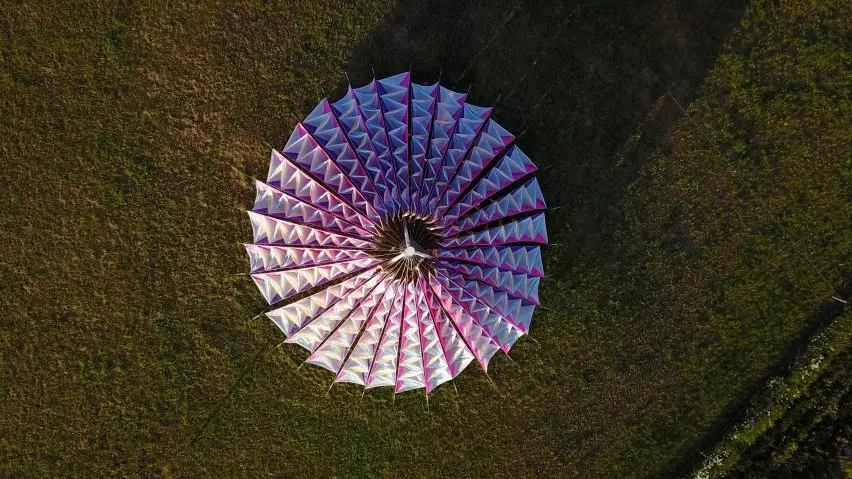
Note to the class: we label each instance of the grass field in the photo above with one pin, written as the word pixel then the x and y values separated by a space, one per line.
pixel 696 157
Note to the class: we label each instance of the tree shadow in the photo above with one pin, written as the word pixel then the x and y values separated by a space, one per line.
pixel 577 79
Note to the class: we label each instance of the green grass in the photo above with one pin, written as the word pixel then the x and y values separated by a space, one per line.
pixel 691 251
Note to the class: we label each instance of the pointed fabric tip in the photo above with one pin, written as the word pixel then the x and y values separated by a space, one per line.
pixel 323 108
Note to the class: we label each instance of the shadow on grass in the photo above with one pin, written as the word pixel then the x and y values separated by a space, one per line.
pixel 576 79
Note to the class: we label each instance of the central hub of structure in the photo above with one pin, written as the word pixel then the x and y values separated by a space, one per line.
pixel 406 243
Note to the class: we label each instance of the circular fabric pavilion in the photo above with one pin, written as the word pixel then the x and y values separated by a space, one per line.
pixel 398 234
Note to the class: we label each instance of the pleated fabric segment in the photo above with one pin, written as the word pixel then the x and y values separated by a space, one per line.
pixel 397 236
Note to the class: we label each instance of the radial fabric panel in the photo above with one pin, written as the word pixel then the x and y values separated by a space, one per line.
pixel 398 236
